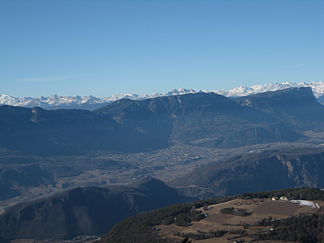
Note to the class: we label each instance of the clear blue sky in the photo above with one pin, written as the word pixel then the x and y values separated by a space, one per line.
pixel 104 47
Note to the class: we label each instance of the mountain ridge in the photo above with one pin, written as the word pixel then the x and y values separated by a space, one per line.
pixel 91 102
pixel 199 119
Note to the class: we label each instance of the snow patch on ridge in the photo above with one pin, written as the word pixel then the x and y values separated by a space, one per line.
pixel 305 203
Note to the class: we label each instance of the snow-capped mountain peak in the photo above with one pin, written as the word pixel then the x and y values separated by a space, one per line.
pixel 79 101
pixel 317 87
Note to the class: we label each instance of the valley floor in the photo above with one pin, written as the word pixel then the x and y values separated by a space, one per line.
pixel 96 169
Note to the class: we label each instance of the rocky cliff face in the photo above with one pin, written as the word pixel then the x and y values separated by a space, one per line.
pixel 257 172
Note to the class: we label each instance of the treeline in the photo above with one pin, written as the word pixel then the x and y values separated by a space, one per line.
pixel 141 228
pixel 200 235
pixel 185 218
pixel 236 211
pixel 301 228
pixel 303 193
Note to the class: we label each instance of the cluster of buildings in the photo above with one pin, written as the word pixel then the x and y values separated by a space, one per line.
pixel 283 198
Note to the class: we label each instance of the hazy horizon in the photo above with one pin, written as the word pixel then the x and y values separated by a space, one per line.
pixel 172 90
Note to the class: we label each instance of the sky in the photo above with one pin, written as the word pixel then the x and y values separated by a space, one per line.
pixel 106 47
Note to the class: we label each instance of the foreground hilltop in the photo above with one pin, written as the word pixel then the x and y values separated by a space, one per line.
pixel 275 216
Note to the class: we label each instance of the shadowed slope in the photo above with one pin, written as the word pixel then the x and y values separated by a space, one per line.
pixel 83 211
pixel 296 106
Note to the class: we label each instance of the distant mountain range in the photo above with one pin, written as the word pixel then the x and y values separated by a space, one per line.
pixel 199 119
pixel 317 87
pixel 80 102
pixel 92 102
